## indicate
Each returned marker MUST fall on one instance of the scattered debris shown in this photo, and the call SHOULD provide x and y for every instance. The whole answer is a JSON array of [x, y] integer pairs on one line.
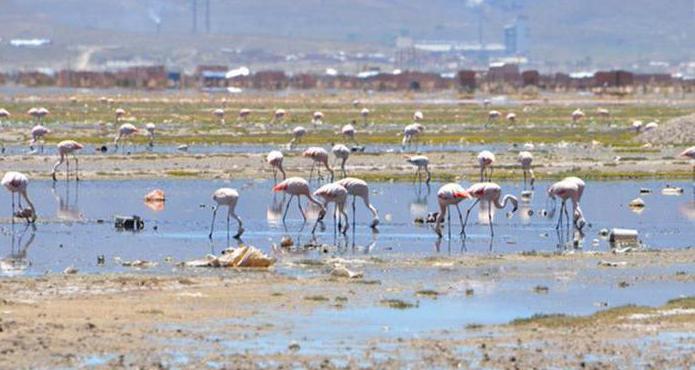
[[671, 190], [428, 293], [637, 203], [139, 264], [645, 191], [294, 347], [101, 259], [133, 223], [470, 291], [604, 233], [397, 304], [70, 270], [623, 284], [286, 242], [246, 256], [624, 237], [612, 264], [541, 289], [344, 272], [182, 148]]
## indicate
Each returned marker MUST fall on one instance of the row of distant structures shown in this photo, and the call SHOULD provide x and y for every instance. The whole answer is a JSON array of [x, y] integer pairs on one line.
[[497, 78]]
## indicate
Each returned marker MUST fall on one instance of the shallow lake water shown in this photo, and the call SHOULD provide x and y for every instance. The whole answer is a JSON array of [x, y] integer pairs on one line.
[[76, 222]]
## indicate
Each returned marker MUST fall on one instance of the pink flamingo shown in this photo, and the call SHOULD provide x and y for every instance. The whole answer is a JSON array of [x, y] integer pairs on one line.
[[150, 128], [219, 114], [422, 163], [120, 113], [226, 197], [341, 152], [348, 132], [577, 115], [65, 148], [37, 133], [244, 114], [333, 193], [418, 116], [525, 159], [359, 188], [279, 115], [297, 186], [448, 195], [364, 113], [4, 113], [492, 116], [17, 183], [511, 117], [491, 193], [275, 159], [317, 118], [485, 160], [411, 133], [297, 134], [320, 156], [571, 189], [690, 153], [125, 132]]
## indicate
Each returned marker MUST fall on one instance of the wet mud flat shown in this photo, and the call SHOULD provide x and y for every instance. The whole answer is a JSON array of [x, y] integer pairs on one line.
[[591, 309]]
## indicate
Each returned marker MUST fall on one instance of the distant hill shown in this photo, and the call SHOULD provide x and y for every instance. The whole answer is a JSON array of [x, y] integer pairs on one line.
[[609, 32]]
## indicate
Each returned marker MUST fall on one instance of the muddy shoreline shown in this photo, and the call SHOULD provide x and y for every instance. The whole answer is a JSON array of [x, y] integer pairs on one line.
[[201, 318]]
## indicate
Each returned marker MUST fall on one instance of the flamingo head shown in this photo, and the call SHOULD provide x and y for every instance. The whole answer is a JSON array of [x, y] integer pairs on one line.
[[280, 187]]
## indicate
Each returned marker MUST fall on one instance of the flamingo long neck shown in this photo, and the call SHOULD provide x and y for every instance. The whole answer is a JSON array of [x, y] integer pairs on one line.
[[313, 200], [507, 198], [31, 205]]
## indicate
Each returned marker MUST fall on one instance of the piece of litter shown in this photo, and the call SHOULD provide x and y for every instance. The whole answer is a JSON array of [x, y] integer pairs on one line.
[[70, 270], [624, 237], [246, 256], [344, 272], [612, 264], [671, 190], [139, 264]]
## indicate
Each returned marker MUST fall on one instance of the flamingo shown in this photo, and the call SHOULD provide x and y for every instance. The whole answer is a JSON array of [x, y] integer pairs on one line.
[[42, 112], [37, 133], [577, 115], [603, 113], [412, 133], [341, 152], [359, 188], [333, 193], [690, 153], [525, 159], [244, 114], [422, 163], [348, 132], [320, 156], [297, 135], [364, 113], [226, 197], [219, 114], [150, 127], [274, 159], [125, 132], [651, 126], [485, 160], [492, 116], [637, 125], [448, 195], [486, 103], [297, 186], [491, 193], [569, 188], [4, 113], [17, 182], [511, 117], [418, 116], [120, 113], [65, 148], [279, 115], [317, 118]]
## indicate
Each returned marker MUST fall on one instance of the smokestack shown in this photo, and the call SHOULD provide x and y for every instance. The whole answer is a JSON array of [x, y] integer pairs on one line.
[[207, 16], [194, 10]]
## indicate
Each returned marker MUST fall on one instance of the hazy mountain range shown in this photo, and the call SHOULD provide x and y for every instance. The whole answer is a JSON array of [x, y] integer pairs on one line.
[[617, 32]]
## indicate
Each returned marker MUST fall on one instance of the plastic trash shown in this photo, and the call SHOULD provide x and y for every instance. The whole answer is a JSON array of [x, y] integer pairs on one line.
[[624, 236], [132, 223]]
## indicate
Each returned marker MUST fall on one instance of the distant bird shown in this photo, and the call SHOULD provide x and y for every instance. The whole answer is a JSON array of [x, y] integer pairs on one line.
[[65, 148], [485, 160], [17, 183], [37, 134], [275, 159], [448, 195], [342, 153], [125, 131], [359, 188], [244, 114], [219, 114], [333, 193], [493, 116], [38, 113], [422, 163], [364, 113], [491, 193], [226, 197], [412, 133], [317, 118], [577, 115], [279, 116], [348, 132], [297, 186], [150, 128], [511, 117], [418, 116], [297, 135], [637, 125], [120, 113], [4, 113], [318, 156], [570, 189], [603, 113], [690, 153], [651, 126], [525, 159], [486, 103]]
